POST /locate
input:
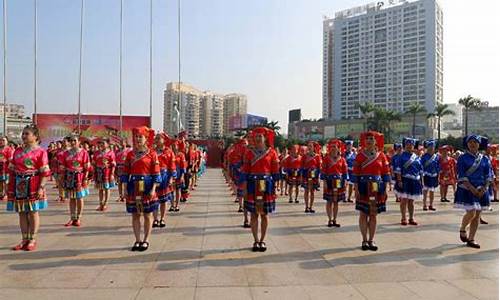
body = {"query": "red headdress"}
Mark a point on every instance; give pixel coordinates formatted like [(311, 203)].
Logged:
[(336, 142), (167, 140), (266, 132), (446, 148), (316, 146), (145, 131), (493, 148), (379, 139), (95, 141), (182, 135)]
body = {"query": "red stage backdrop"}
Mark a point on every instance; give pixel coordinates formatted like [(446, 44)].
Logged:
[(54, 127)]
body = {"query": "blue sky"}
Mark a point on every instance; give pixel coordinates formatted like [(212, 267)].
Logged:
[(270, 50)]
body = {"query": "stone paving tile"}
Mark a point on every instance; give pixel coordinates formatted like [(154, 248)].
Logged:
[(204, 253)]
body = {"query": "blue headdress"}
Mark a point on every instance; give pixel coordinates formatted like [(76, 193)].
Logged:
[(483, 141)]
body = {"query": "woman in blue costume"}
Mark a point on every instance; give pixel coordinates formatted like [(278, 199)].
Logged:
[(409, 180), (475, 175), (430, 163)]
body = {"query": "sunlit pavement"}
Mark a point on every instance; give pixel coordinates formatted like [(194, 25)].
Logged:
[(205, 253)]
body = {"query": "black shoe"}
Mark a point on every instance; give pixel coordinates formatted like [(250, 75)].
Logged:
[(156, 223), (236, 200), (296, 201), (312, 211), (364, 246), (246, 225), (290, 201), (445, 200), (425, 208), (483, 221), (473, 244), (372, 246), (171, 208), (162, 224), (136, 246), (494, 200), (176, 209), (330, 224), (144, 246), (335, 224), (256, 247), (432, 208), (307, 210), (262, 247), (240, 210)]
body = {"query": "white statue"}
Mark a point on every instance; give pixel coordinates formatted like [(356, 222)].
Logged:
[(176, 120)]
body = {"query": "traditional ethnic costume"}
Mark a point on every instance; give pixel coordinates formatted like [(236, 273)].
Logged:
[(371, 172), (447, 168), (477, 170), (75, 165), (408, 172), (142, 171), (310, 167), (5, 156), (260, 171), (292, 166), (334, 172), (26, 170), (168, 170), (430, 164), (104, 163)]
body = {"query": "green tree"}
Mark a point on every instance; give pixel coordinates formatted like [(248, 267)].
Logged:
[(469, 103), (414, 109), (440, 111), (366, 109)]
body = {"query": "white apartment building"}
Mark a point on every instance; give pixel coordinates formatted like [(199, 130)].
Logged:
[(389, 53), (212, 115), (203, 113), (234, 105), (189, 108)]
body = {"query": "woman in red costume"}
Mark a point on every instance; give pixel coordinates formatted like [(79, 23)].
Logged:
[(311, 164), (371, 174), (180, 165), (75, 165), (28, 173), (291, 166), (448, 171), (121, 156), (164, 191), (334, 174), (5, 157), (142, 176), (260, 173), (104, 172)]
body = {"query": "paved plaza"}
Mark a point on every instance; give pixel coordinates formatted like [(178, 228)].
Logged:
[(204, 253)]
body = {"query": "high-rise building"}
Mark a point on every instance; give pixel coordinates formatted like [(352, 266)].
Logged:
[(189, 108), (235, 105), (389, 53), (211, 115), (203, 113)]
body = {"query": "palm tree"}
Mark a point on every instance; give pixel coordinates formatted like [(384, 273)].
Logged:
[(414, 109), (440, 111), (366, 109), (469, 103), (274, 126), (391, 116)]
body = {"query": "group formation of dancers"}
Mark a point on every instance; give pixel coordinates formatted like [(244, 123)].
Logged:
[(156, 170), (257, 172)]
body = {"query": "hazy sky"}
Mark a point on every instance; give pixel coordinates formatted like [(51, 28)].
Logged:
[(270, 50)]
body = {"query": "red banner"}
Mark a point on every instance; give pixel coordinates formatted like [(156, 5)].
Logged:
[(54, 127)]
